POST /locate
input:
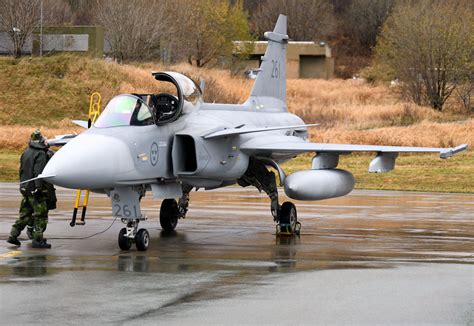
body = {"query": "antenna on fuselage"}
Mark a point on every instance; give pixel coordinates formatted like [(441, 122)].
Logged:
[(202, 86)]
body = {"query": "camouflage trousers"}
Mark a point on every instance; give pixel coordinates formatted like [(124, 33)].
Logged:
[(33, 211)]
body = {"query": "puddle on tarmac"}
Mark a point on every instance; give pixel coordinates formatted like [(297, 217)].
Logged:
[(226, 248), (232, 231)]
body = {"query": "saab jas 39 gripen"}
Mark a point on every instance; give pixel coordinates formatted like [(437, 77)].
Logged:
[(171, 143)]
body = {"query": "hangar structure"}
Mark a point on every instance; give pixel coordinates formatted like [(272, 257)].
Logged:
[(304, 59), (79, 39)]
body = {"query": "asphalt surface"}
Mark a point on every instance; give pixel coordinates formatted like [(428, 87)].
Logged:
[(373, 257)]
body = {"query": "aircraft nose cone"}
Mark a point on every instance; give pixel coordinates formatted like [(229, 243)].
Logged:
[(89, 161)]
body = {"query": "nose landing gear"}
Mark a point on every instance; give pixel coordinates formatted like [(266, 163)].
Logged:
[(126, 205), (124, 242), (129, 235), (142, 239)]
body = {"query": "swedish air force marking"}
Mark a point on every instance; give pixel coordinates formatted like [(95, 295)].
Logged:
[(154, 154)]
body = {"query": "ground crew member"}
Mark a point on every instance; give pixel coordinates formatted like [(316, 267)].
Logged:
[(34, 205)]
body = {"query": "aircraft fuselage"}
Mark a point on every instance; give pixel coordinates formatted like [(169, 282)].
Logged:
[(104, 158)]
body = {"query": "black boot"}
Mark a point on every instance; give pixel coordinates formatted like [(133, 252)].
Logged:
[(13, 241), (41, 244), (29, 232)]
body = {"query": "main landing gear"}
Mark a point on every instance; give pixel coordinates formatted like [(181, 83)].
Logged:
[(171, 210), (285, 216), (169, 214), (129, 235), (288, 223)]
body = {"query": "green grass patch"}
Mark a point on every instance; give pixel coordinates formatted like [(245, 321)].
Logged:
[(412, 172), (9, 165)]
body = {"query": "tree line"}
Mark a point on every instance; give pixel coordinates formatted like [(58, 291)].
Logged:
[(427, 45)]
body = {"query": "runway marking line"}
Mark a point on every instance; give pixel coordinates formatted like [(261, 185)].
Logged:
[(9, 254)]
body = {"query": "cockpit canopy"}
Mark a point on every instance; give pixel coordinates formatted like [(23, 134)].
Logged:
[(125, 110), (147, 109), (192, 93), (188, 93)]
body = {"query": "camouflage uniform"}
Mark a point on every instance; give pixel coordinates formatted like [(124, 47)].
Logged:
[(33, 211), (34, 205)]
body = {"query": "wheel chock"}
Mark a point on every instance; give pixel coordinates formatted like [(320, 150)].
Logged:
[(285, 229)]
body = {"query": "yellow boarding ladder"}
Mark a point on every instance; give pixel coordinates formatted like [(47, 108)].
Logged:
[(94, 112)]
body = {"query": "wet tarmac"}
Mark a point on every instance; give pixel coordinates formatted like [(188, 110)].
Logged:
[(373, 257)]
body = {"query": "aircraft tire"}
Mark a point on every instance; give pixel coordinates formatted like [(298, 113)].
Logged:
[(124, 242), (169, 214), (288, 215), (142, 240)]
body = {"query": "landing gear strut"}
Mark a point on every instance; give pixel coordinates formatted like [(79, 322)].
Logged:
[(126, 206), (129, 235), (285, 216)]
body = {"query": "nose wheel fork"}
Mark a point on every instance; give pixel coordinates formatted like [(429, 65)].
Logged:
[(131, 234)]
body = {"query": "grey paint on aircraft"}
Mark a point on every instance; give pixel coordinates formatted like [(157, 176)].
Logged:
[(208, 145)]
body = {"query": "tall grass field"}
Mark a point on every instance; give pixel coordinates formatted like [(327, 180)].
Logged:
[(49, 92)]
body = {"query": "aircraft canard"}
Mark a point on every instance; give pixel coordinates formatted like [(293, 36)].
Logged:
[(172, 142)]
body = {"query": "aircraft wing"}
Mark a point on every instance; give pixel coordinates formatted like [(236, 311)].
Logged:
[(295, 145), (81, 123), (240, 130), (61, 140)]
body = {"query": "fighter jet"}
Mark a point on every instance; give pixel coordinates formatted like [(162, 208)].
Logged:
[(172, 142)]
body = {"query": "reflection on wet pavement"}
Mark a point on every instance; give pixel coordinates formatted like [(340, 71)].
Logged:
[(226, 248)]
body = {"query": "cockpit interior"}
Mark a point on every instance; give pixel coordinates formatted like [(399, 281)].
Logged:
[(148, 109)]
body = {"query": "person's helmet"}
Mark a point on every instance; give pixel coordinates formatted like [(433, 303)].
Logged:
[(36, 136)]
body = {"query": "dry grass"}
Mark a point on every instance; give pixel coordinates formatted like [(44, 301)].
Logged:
[(353, 104), (422, 134), (220, 85), (50, 91), (16, 137)]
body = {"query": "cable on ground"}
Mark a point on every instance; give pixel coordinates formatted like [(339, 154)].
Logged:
[(88, 237)]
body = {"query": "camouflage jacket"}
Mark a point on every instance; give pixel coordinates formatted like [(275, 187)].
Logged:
[(32, 162)]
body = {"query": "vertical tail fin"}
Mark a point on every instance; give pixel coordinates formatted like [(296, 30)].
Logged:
[(271, 79)]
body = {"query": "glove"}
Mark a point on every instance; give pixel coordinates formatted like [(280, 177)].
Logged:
[(24, 192), (38, 192)]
